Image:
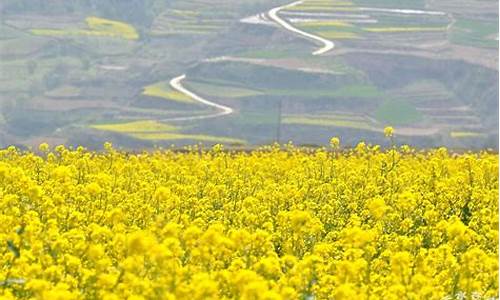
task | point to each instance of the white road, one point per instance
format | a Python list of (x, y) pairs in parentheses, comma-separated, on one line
[(273, 15), (223, 110), (403, 11)]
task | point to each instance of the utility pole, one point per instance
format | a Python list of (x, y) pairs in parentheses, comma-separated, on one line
[(278, 131)]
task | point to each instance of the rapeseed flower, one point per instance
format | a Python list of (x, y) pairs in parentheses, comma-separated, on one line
[(272, 223)]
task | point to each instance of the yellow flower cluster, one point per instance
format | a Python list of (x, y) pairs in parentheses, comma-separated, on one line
[(97, 27), (273, 223)]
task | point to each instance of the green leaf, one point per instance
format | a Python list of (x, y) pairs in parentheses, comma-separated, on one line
[(13, 248)]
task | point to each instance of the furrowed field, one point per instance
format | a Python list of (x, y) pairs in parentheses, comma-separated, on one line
[(273, 223)]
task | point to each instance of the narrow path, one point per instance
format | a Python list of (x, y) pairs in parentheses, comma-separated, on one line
[(403, 11), (176, 84), (273, 15)]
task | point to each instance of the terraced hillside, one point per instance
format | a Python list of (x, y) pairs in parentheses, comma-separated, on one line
[(146, 73)]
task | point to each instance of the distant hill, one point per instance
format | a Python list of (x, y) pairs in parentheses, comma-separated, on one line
[(87, 71)]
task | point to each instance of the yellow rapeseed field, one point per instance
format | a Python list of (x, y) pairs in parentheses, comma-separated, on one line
[(273, 223), (162, 90), (143, 126), (98, 27), (112, 28)]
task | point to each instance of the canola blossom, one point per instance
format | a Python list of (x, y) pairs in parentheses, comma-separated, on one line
[(97, 27), (272, 223)]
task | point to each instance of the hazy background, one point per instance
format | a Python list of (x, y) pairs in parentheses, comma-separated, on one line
[(69, 79)]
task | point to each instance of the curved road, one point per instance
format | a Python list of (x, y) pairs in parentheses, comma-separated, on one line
[(176, 84), (328, 45), (273, 14)]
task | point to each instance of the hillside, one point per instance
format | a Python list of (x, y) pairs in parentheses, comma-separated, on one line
[(84, 72)]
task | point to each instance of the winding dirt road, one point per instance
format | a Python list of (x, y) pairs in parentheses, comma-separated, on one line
[(273, 15), (176, 84)]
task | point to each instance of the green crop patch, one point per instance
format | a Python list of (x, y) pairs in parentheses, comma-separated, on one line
[(134, 127), (327, 122), (475, 33), (397, 113), (466, 134), (217, 90), (182, 136), (347, 91)]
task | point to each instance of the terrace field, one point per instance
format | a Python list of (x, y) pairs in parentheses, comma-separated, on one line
[(427, 68), (151, 130), (97, 27), (164, 91)]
